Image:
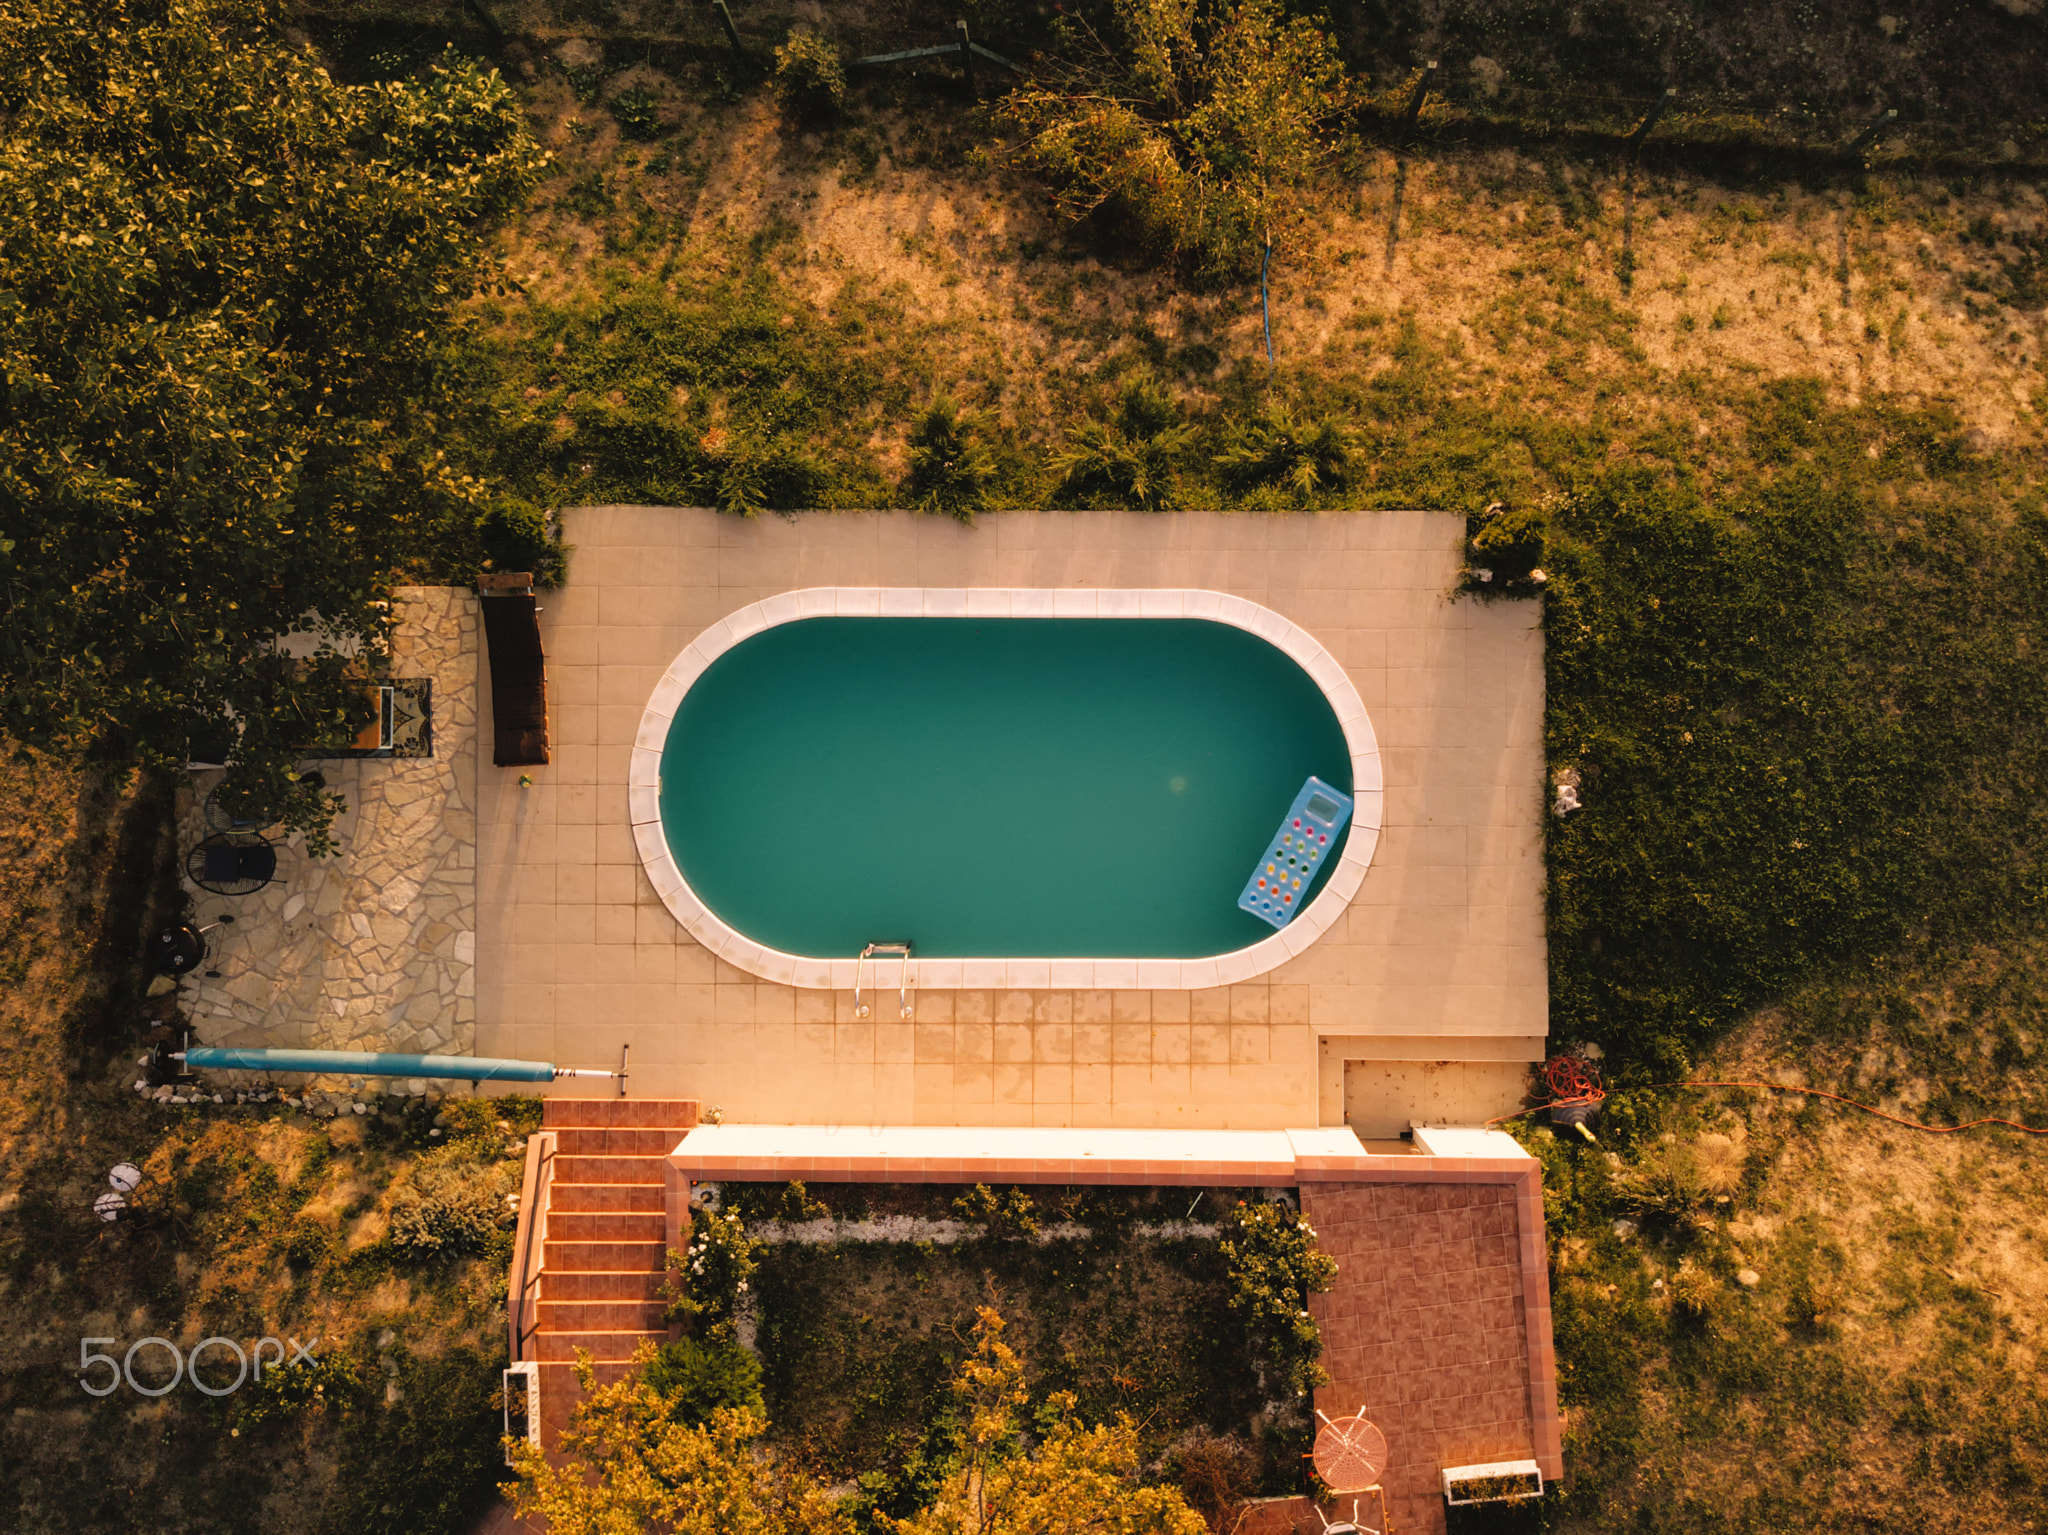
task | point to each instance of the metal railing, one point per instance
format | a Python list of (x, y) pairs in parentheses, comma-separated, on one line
[(872, 955), (529, 1243)]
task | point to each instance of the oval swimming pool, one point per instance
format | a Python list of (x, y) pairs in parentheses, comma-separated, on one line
[(989, 787)]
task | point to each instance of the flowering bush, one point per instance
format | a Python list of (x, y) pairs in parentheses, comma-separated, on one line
[(1270, 1255), (708, 1279)]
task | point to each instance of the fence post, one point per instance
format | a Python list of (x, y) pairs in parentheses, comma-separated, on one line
[(966, 54), (1415, 101), (732, 33), (1642, 129), (1868, 136)]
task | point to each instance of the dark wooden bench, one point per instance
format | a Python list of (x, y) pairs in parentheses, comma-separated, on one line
[(519, 674)]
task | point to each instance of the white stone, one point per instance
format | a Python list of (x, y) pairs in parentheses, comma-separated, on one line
[(1749, 1279)]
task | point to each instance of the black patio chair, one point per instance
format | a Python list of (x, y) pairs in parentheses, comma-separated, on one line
[(230, 863)]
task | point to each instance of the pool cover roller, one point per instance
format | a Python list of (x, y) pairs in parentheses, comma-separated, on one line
[(365, 1063)]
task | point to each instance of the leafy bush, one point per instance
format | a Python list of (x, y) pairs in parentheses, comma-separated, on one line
[(810, 81), (425, 1458), (1694, 1291), (1007, 1217), (461, 127), (696, 1378), (1678, 1178), (797, 1204), (1507, 550), (510, 533), (779, 476), (1128, 460), (709, 1279), (310, 1241), (637, 113), (1196, 123), (950, 469), (281, 1392), (479, 1119), (1276, 447), (1270, 1255), (451, 1205)]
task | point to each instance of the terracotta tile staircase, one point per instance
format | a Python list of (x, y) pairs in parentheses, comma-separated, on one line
[(602, 1206)]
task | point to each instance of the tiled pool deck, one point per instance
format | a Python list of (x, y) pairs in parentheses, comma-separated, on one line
[(1438, 957)]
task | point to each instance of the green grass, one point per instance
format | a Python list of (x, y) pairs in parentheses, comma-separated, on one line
[(714, 390)]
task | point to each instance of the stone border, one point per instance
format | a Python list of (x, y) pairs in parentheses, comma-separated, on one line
[(704, 925)]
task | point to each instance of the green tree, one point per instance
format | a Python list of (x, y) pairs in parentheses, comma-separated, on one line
[(1195, 122), (226, 282), (628, 1466), (1076, 1478)]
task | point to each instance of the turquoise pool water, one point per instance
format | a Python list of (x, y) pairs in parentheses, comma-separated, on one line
[(996, 788)]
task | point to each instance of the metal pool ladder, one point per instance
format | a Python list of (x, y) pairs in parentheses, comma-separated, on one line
[(873, 954)]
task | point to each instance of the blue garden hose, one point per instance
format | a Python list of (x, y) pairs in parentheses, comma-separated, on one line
[(1265, 308)]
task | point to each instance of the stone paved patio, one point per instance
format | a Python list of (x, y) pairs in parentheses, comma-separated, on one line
[(375, 948), (1440, 957)]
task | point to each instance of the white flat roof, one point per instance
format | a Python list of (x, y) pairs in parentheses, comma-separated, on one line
[(1016, 1154)]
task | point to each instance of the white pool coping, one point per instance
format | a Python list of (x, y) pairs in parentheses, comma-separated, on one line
[(643, 788)]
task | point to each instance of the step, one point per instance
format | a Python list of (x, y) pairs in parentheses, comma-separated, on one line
[(615, 1346), (623, 1226), (602, 1284), (610, 1170), (574, 1142), (608, 1257), (558, 1378), (560, 1392), (627, 1113), (604, 1198), (578, 1316)]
